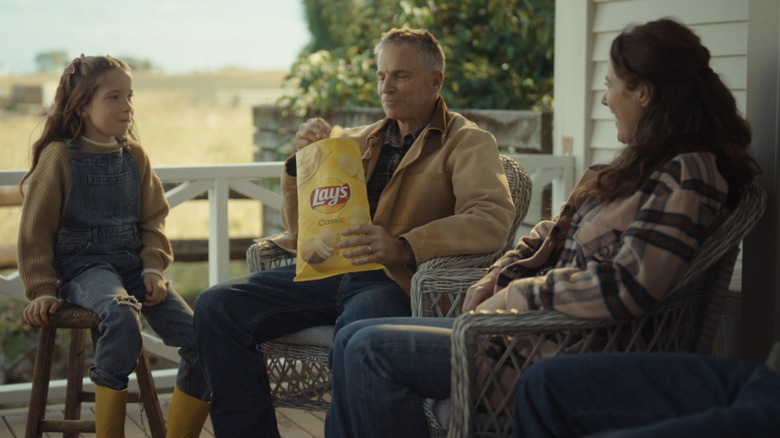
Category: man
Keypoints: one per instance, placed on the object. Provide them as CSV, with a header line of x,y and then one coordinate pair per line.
x,y
431,175
649,395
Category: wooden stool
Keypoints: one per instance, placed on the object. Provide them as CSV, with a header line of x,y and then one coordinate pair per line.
x,y
77,319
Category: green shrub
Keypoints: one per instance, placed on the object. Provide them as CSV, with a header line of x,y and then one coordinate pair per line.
x,y
500,52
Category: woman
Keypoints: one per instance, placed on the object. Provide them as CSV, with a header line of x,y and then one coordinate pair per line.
x,y
623,238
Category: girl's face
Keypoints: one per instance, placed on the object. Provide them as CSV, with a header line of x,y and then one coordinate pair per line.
x,y
628,106
110,111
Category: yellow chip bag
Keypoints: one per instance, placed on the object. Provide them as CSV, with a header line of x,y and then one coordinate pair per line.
x,y
331,196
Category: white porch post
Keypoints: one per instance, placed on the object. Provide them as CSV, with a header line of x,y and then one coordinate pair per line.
x,y
219,242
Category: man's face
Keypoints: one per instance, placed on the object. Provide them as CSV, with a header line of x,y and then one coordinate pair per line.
x,y
407,86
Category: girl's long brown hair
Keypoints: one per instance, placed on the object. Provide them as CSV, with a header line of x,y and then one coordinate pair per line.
x,y
76,88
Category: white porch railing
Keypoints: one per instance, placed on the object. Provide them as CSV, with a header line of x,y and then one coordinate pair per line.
x,y
216,181
557,170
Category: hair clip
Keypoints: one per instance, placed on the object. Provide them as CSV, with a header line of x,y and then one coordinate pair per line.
x,y
70,69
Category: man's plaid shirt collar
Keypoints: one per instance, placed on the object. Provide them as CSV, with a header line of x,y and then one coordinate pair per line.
x,y
390,156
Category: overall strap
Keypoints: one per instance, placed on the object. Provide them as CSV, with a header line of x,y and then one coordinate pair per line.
x,y
75,149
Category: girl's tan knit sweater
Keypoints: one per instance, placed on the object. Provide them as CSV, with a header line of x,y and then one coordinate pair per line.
x,y
45,199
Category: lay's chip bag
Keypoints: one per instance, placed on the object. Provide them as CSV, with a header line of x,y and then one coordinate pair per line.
x,y
331,196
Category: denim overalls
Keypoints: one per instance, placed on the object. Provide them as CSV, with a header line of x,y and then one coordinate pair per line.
x,y
97,258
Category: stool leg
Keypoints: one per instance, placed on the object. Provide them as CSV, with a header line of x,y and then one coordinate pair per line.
x,y
148,395
75,375
40,381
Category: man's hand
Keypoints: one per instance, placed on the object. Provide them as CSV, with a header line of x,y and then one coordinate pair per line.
x,y
156,289
372,244
37,312
311,131
480,291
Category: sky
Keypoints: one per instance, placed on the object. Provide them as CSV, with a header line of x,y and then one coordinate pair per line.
x,y
177,36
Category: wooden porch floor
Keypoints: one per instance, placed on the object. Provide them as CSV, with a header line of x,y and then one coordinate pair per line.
x,y
293,423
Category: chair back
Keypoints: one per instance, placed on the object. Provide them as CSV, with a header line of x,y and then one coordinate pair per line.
x,y
520,187
439,285
709,273
687,318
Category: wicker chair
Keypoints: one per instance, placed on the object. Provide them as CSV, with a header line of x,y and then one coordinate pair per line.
x,y
685,321
297,364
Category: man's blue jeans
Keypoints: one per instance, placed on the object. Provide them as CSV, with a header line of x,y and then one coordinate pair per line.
x,y
233,317
647,395
383,369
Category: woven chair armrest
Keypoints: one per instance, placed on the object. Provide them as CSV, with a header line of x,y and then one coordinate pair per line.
x,y
264,254
473,324
439,284
481,260
440,292
470,339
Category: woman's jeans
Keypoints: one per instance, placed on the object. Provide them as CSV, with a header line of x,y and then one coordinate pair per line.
x,y
647,395
234,317
383,370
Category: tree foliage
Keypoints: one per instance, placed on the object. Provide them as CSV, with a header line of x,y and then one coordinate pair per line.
x,y
51,61
499,52
54,61
137,64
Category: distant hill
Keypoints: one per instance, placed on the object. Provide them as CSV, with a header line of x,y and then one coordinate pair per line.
x,y
227,78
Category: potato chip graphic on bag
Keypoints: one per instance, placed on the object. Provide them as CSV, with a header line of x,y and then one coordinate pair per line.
x,y
331,196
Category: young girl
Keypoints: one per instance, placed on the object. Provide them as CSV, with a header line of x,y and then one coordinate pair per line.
x,y
92,234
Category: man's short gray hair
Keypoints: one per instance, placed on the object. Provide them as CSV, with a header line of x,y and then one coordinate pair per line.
x,y
425,41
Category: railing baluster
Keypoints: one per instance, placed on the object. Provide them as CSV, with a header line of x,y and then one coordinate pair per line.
x,y
219,241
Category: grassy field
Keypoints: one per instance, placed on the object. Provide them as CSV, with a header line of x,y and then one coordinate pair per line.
x,y
181,119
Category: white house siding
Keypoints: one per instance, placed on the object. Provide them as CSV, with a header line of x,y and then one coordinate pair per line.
x,y
744,41
721,24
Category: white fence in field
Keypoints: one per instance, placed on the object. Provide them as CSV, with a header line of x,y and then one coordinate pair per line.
x,y
216,181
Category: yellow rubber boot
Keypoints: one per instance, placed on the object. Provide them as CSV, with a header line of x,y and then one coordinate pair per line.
x,y
110,407
186,415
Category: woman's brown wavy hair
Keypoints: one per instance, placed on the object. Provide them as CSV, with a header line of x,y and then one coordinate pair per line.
x,y
691,110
